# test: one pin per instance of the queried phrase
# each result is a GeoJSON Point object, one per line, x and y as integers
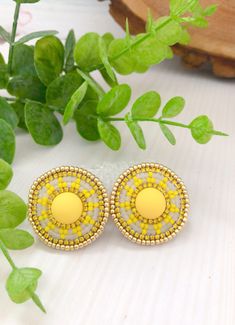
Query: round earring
{"type": "Point", "coordinates": [68, 207]}
{"type": "Point", "coordinates": [149, 204]}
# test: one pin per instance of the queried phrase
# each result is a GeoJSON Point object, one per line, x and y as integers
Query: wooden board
{"type": "Point", "coordinates": [215, 44]}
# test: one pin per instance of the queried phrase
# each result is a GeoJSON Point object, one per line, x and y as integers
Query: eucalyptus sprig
{"type": "Point", "coordinates": [51, 78]}
{"type": "Point", "coordinates": [22, 282]}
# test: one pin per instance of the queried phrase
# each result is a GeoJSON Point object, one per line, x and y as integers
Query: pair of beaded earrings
{"type": "Point", "coordinates": [69, 206]}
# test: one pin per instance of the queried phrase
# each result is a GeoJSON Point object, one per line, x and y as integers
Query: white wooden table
{"type": "Point", "coordinates": [188, 281]}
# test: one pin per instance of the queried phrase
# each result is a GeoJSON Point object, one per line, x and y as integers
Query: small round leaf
{"type": "Point", "coordinates": [114, 101]}
{"type": "Point", "coordinates": [16, 239]}
{"type": "Point", "coordinates": [6, 174]}
{"type": "Point", "coordinates": [147, 105]}
{"type": "Point", "coordinates": [21, 283]}
{"type": "Point", "coordinates": [7, 113]}
{"type": "Point", "coordinates": [7, 142]}
{"type": "Point", "coordinates": [168, 134]}
{"type": "Point", "coordinates": [86, 121]}
{"type": "Point", "coordinates": [136, 132]}
{"type": "Point", "coordinates": [12, 210]}
{"type": "Point", "coordinates": [49, 58]}
{"type": "Point", "coordinates": [42, 124]}
{"type": "Point", "coordinates": [86, 51]}
{"type": "Point", "coordinates": [173, 107]}
{"type": "Point", "coordinates": [109, 134]}
{"type": "Point", "coordinates": [62, 88]}
{"type": "Point", "coordinates": [201, 129]}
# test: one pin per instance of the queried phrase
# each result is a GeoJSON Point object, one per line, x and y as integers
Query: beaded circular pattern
{"type": "Point", "coordinates": [88, 201]}
{"type": "Point", "coordinates": [138, 227]}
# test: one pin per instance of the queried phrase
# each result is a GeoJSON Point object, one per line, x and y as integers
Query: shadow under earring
{"type": "Point", "coordinates": [68, 207]}
{"type": "Point", "coordinates": [149, 204]}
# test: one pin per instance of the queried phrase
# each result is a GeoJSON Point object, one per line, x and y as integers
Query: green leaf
{"type": "Point", "coordinates": [74, 102]}
{"type": "Point", "coordinates": [86, 121]}
{"type": "Point", "coordinates": [109, 134]}
{"type": "Point", "coordinates": [168, 134]}
{"type": "Point", "coordinates": [179, 7]}
{"type": "Point", "coordinates": [23, 61]}
{"type": "Point", "coordinates": [149, 23]}
{"type": "Point", "coordinates": [16, 239]}
{"type": "Point", "coordinates": [19, 110]}
{"type": "Point", "coordinates": [185, 37]}
{"type": "Point", "coordinates": [12, 210]}
{"type": "Point", "coordinates": [147, 105]}
{"type": "Point", "coordinates": [29, 87]}
{"type": "Point", "coordinates": [170, 33]}
{"type": "Point", "coordinates": [136, 131]}
{"type": "Point", "coordinates": [5, 35]}
{"type": "Point", "coordinates": [69, 50]}
{"type": "Point", "coordinates": [201, 129]}
{"type": "Point", "coordinates": [200, 22]}
{"type": "Point", "coordinates": [25, 83]}
{"type": "Point", "coordinates": [125, 64]}
{"type": "Point", "coordinates": [7, 142]}
{"type": "Point", "coordinates": [21, 283]}
{"type": "Point", "coordinates": [108, 38]}
{"type": "Point", "coordinates": [4, 76]}
{"type": "Point", "coordinates": [61, 89]}
{"type": "Point", "coordinates": [114, 101]}
{"type": "Point", "coordinates": [35, 35]}
{"type": "Point", "coordinates": [49, 58]}
{"type": "Point", "coordinates": [6, 174]}
{"type": "Point", "coordinates": [95, 87]}
{"type": "Point", "coordinates": [210, 10]}
{"type": "Point", "coordinates": [7, 113]}
{"type": "Point", "coordinates": [173, 107]}
{"type": "Point", "coordinates": [86, 51]}
{"type": "Point", "coordinates": [150, 51]}
{"type": "Point", "coordinates": [112, 83]}
{"type": "Point", "coordinates": [104, 58]}
{"type": "Point", "coordinates": [42, 124]}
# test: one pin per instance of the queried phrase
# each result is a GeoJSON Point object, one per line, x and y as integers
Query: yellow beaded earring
{"type": "Point", "coordinates": [68, 207]}
{"type": "Point", "coordinates": [149, 204]}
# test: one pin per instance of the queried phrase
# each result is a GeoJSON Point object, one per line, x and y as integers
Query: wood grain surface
{"type": "Point", "coordinates": [215, 44]}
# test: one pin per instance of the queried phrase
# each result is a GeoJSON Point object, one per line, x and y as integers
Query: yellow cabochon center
{"type": "Point", "coordinates": [67, 207]}
{"type": "Point", "coordinates": [150, 203]}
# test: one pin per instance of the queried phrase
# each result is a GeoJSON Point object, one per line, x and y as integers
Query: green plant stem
{"type": "Point", "coordinates": [158, 120]}
{"type": "Point", "coordinates": [6, 254]}
{"type": "Point", "coordinates": [24, 101]}
{"type": "Point", "coordinates": [143, 38]}
{"type": "Point", "coordinates": [34, 296]}
{"type": "Point", "coordinates": [13, 35]}
{"type": "Point", "coordinates": [135, 43]}
{"type": "Point", "coordinates": [91, 82]}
